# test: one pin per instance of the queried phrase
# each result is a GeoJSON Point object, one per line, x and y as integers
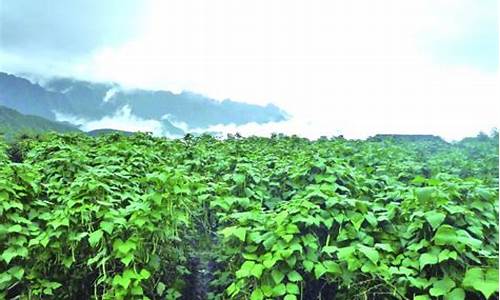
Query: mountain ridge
{"type": "Point", "coordinates": [93, 101]}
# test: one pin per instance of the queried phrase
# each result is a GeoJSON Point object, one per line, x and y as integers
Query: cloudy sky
{"type": "Point", "coordinates": [338, 67]}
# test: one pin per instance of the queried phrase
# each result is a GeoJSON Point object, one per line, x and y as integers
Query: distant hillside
{"type": "Point", "coordinates": [407, 137]}
{"type": "Point", "coordinates": [104, 131]}
{"type": "Point", "coordinates": [92, 101]}
{"type": "Point", "coordinates": [13, 122]}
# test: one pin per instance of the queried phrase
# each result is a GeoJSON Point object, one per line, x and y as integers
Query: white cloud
{"type": "Point", "coordinates": [122, 119]}
{"type": "Point", "coordinates": [338, 67]}
{"type": "Point", "coordinates": [110, 94]}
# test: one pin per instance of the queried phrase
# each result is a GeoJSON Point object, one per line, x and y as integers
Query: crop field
{"type": "Point", "coordinates": [140, 217]}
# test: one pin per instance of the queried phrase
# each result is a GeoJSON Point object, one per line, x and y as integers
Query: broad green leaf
{"type": "Point", "coordinates": [5, 278]}
{"type": "Point", "coordinates": [319, 270]}
{"type": "Point", "coordinates": [277, 275]}
{"type": "Point", "coordinates": [107, 227]}
{"type": "Point", "coordinates": [279, 290]}
{"type": "Point", "coordinates": [95, 237]}
{"type": "Point", "coordinates": [257, 294]}
{"type": "Point", "coordinates": [14, 251]}
{"type": "Point", "coordinates": [445, 235]}
{"type": "Point", "coordinates": [427, 259]}
{"type": "Point", "coordinates": [16, 272]}
{"type": "Point", "coordinates": [370, 252]}
{"type": "Point", "coordinates": [424, 194]}
{"type": "Point", "coordinates": [447, 254]}
{"type": "Point", "coordinates": [442, 287]}
{"type": "Point", "coordinates": [479, 280]}
{"type": "Point", "coordinates": [245, 269]}
{"type": "Point", "coordinates": [356, 219]}
{"type": "Point", "coordinates": [15, 228]}
{"type": "Point", "coordinates": [122, 281]}
{"type": "Point", "coordinates": [434, 218]}
{"type": "Point", "coordinates": [294, 276]}
{"type": "Point", "coordinates": [292, 288]}
{"type": "Point", "coordinates": [385, 247]}
{"type": "Point", "coordinates": [269, 263]}
{"type": "Point", "coordinates": [160, 288]}
{"type": "Point", "coordinates": [257, 270]}
{"type": "Point", "coordinates": [332, 267]}
{"type": "Point", "coordinates": [308, 265]}
{"type": "Point", "coordinates": [240, 233]}
{"type": "Point", "coordinates": [239, 178]}
{"type": "Point", "coordinates": [346, 252]}
{"type": "Point", "coordinates": [456, 294]}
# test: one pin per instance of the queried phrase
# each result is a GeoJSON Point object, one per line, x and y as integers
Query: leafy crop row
{"type": "Point", "coordinates": [256, 218]}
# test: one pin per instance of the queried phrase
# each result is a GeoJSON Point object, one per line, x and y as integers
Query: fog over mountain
{"type": "Point", "coordinates": [91, 106]}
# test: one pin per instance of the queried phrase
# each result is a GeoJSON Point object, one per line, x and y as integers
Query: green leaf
{"type": "Point", "coordinates": [346, 252]}
{"type": "Point", "coordinates": [332, 267]}
{"type": "Point", "coordinates": [447, 254]}
{"type": "Point", "coordinates": [5, 278]}
{"type": "Point", "coordinates": [124, 247]}
{"type": "Point", "coordinates": [277, 276]}
{"type": "Point", "coordinates": [239, 178]}
{"type": "Point", "coordinates": [294, 276]}
{"type": "Point", "coordinates": [14, 251]}
{"type": "Point", "coordinates": [15, 228]}
{"type": "Point", "coordinates": [160, 288]}
{"type": "Point", "coordinates": [424, 194]}
{"type": "Point", "coordinates": [279, 290]}
{"type": "Point", "coordinates": [419, 282]}
{"type": "Point", "coordinates": [239, 232]}
{"type": "Point", "coordinates": [123, 281]}
{"type": "Point", "coordinates": [257, 294]}
{"type": "Point", "coordinates": [95, 237]}
{"type": "Point", "coordinates": [308, 265]}
{"type": "Point", "coordinates": [427, 259]}
{"type": "Point", "coordinates": [485, 282]}
{"type": "Point", "coordinates": [257, 270]}
{"type": "Point", "coordinates": [434, 218]}
{"type": "Point", "coordinates": [245, 269]}
{"type": "Point", "coordinates": [145, 274]}
{"type": "Point", "coordinates": [442, 287]}
{"type": "Point", "coordinates": [465, 238]}
{"type": "Point", "coordinates": [17, 272]}
{"type": "Point", "coordinates": [385, 247]}
{"type": "Point", "coordinates": [127, 258]}
{"type": "Point", "coordinates": [329, 249]}
{"type": "Point", "coordinates": [290, 297]}
{"type": "Point", "coordinates": [269, 263]}
{"type": "Point", "coordinates": [445, 235]}
{"type": "Point", "coordinates": [356, 219]}
{"type": "Point", "coordinates": [107, 227]}
{"type": "Point", "coordinates": [137, 290]}
{"type": "Point", "coordinates": [422, 297]}
{"type": "Point", "coordinates": [292, 288]}
{"type": "Point", "coordinates": [456, 294]}
{"type": "Point", "coordinates": [370, 252]}
{"type": "Point", "coordinates": [319, 270]}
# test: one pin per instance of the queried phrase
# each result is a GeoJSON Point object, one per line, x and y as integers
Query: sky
{"type": "Point", "coordinates": [355, 68]}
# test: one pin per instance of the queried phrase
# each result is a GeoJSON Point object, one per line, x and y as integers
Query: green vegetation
{"type": "Point", "coordinates": [137, 217]}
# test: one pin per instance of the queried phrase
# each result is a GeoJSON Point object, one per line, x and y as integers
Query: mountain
{"type": "Point", "coordinates": [29, 98]}
{"type": "Point", "coordinates": [91, 101]}
{"type": "Point", "coordinates": [13, 122]}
